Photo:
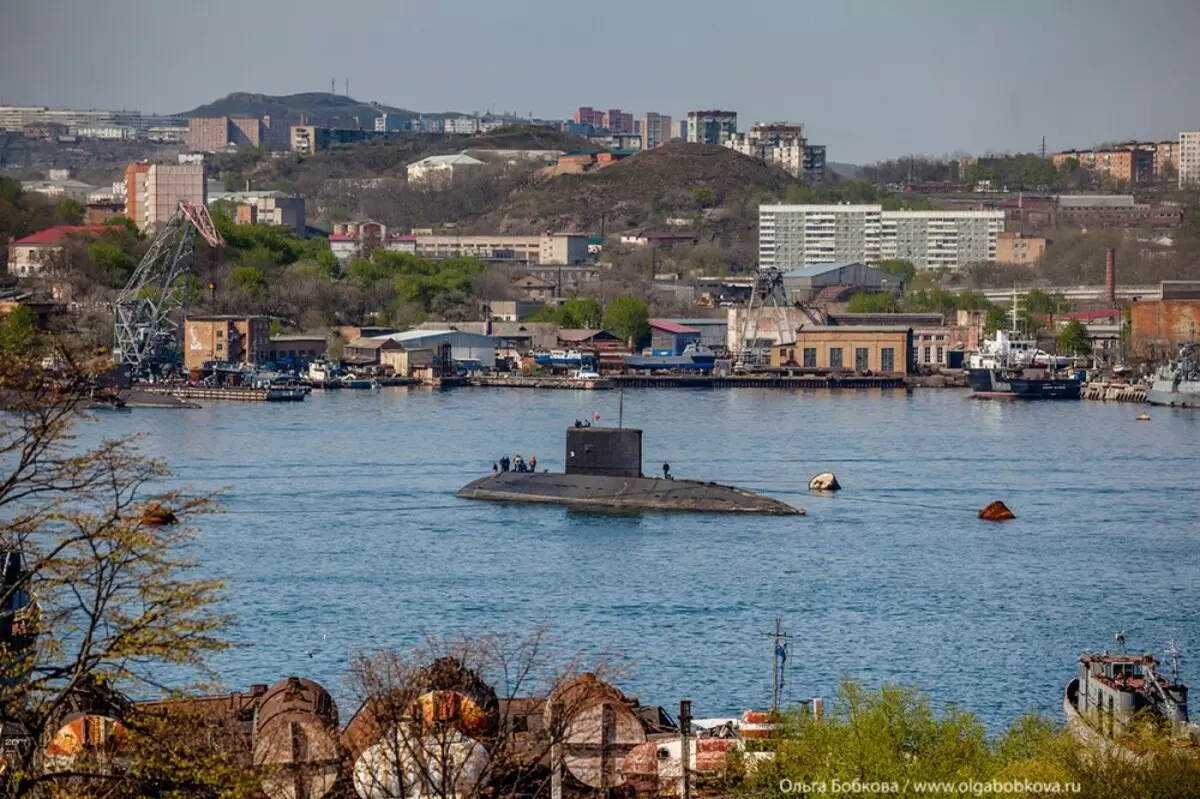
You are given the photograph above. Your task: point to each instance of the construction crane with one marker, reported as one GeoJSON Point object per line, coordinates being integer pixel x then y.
{"type": "Point", "coordinates": [147, 325]}
{"type": "Point", "coordinates": [768, 288]}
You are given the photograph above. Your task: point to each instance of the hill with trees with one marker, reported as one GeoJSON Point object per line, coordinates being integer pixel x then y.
{"type": "Point", "coordinates": [322, 105]}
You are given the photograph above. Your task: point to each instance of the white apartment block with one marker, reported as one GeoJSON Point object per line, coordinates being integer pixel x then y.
{"type": "Point", "coordinates": [1189, 158]}
{"type": "Point", "coordinates": [793, 236]}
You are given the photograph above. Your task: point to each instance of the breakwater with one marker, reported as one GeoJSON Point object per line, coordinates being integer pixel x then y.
{"type": "Point", "coordinates": [1113, 392]}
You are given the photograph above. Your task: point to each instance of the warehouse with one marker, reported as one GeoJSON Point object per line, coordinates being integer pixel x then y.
{"type": "Point", "coordinates": [463, 346]}
{"type": "Point", "coordinates": [803, 284]}
{"type": "Point", "coordinates": [877, 349]}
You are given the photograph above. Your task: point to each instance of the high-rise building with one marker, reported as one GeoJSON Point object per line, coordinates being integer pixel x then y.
{"type": "Point", "coordinates": [617, 121]}
{"type": "Point", "coordinates": [656, 129]}
{"type": "Point", "coordinates": [1129, 162]}
{"type": "Point", "coordinates": [711, 127]}
{"type": "Point", "coordinates": [1189, 158]}
{"type": "Point", "coordinates": [792, 236]}
{"type": "Point", "coordinates": [586, 115]}
{"type": "Point", "coordinates": [153, 191]}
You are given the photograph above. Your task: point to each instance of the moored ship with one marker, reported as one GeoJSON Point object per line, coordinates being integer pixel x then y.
{"type": "Point", "coordinates": [1015, 368]}
{"type": "Point", "coordinates": [1177, 384]}
{"type": "Point", "coordinates": [692, 359]}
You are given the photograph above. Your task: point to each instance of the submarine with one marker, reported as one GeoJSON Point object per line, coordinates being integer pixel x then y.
{"type": "Point", "coordinates": [604, 471]}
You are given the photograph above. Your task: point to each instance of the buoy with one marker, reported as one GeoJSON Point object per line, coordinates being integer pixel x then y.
{"type": "Point", "coordinates": [158, 516]}
{"type": "Point", "coordinates": [825, 481]}
{"type": "Point", "coordinates": [1145, 417]}
{"type": "Point", "coordinates": [996, 512]}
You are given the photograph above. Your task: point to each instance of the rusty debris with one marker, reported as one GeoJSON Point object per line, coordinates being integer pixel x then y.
{"type": "Point", "coordinates": [996, 512]}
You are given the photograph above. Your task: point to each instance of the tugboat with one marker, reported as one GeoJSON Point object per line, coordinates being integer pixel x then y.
{"type": "Point", "coordinates": [1177, 384]}
{"type": "Point", "coordinates": [1112, 689]}
{"type": "Point", "coordinates": [693, 358]}
{"type": "Point", "coordinates": [1011, 368]}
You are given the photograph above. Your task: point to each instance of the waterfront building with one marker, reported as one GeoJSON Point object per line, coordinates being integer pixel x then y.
{"type": "Point", "coordinates": [795, 236]}
{"type": "Point", "coordinates": [463, 346]}
{"type": "Point", "coordinates": [1189, 158]}
{"type": "Point", "coordinates": [297, 349]}
{"type": "Point", "coordinates": [225, 338]}
{"type": "Point", "coordinates": [711, 127]}
{"type": "Point", "coordinates": [881, 350]}
{"type": "Point", "coordinates": [712, 330]}
{"type": "Point", "coordinates": [1159, 327]}
{"type": "Point", "coordinates": [805, 283]}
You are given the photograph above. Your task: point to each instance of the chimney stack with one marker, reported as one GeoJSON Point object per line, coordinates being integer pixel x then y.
{"type": "Point", "coordinates": [1110, 278]}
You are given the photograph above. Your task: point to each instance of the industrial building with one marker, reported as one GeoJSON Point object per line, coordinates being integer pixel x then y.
{"type": "Point", "coordinates": [711, 127]}
{"type": "Point", "coordinates": [880, 350]}
{"type": "Point", "coordinates": [153, 191]}
{"type": "Point", "coordinates": [1158, 328]}
{"type": "Point", "coordinates": [672, 337]}
{"type": "Point", "coordinates": [229, 339]}
{"type": "Point", "coordinates": [547, 248]}
{"type": "Point", "coordinates": [792, 236]}
{"type": "Point", "coordinates": [297, 349]}
{"type": "Point", "coordinates": [803, 284]}
{"type": "Point", "coordinates": [463, 346]}
{"type": "Point", "coordinates": [439, 171]}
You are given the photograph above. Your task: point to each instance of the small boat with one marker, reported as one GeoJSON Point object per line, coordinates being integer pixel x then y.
{"type": "Point", "coordinates": [693, 358]}
{"type": "Point", "coordinates": [322, 374]}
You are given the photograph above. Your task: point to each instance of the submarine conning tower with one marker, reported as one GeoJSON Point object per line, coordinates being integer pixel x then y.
{"type": "Point", "coordinates": [607, 451]}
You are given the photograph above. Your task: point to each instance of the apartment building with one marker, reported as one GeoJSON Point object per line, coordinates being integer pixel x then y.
{"type": "Point", "coordinates": [1189, 158]}
{"type": "Point", "coordinates": [153, 191]}
{"type": "Point", "coordinates": [793, 236]}
{"type": "Point", "coordinates": [209, 134]}
{"type": "Point", "coordinates": [270, 208]}
{"type": "Point", "coordinates": [711, 127]}
{"type": "Point", "coordinates": [1131, 162]}
{"type": "Point", "coordinates": [656, 130]}
{"type": "Point", "coordinates": [548, 248]}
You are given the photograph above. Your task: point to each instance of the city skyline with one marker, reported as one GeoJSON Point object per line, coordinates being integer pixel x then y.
{"type": "Point", "coordinates": [880, 81]}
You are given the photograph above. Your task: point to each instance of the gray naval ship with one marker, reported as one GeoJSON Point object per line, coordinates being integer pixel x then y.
{"type": "Point", "coordinates": [1177, 384]}
{"type": "Point", "coordinates": [604, 471]}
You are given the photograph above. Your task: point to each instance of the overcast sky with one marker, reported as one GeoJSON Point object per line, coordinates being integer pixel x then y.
{"type": "Point", "coordinates": [869, 78]}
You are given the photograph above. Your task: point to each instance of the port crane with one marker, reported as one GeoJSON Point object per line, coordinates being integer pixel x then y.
{"type": "Point", "coordinates": [146, 320]}
{"type": "Point", "coordinates": [768, 288]}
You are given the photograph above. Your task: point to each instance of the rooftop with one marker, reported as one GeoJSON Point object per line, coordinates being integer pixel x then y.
{"type": "Point", "coordinates": [458, 159]}
{"type": "Point", "coordinates": [815, 270]}
{"type": "Point", "coordinates": [55, 235]}
{"type": "Point", "coordinates": [668, 326]}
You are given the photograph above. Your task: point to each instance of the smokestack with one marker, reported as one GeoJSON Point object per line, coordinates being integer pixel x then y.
{"type": "Point", "coordinates": [1110, 278]}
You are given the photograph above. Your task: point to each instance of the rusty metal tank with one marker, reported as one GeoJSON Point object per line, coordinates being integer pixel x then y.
{"type": "Point", "coordinates": [599, 728]}
{"type": "Point", "coordinates": [99, 738]}
{"type": "Point", "coordinates": [450, 764]}
{"type": "Point", "coordinates": [656, 767]}
{"type": "Point", "coordinates": [295, 740]}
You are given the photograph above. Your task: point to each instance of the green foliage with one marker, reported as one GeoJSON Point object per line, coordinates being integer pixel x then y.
{"type": "Point", "coordinates": [862, 302]}
{"type": "Point", "coordinates": [1022, 171]}
{"type": "Point", "coordinates": [18, 331]}
{"type": "Point", "coordinates": [274, 327]}
{"type": "Point", "coordinates": [327, 259]}
{"type": "Point", "coordinates": [267, 242]}
{"type": "Point", "coordinates": [71, 211]}
{"type": "Point", "coordinates": [899, 266]}
{"type": "Point", "coordinates": [629, 318]}
{"type": "Point", "coordinates": [704, 197]}
{"type": "Point", "coordinates": [249, 279]}
{"type": "Point", "coordinates": [577, 313]}
{"type": "Point", "coordinates": [424, 282]}
{"type": "Point", "coordinates": [997, 319]}
{"type": "Point", "coordinates": [114, 263]}
{"type": "Point", "coordinates": [1073, 339]}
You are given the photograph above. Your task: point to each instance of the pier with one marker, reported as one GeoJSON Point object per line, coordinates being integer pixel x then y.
{"type": "Point", "coordinates": [521, 381]}
{"type": "Point", "coordinates": [756, 381]}
{"type": "Point", "coordinates": [239, 393]}
{"type": "Point", "coordinates": [1114, 392]}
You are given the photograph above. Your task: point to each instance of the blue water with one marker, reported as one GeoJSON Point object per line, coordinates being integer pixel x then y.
{"type": "Point", "coordinates": [341, 532]}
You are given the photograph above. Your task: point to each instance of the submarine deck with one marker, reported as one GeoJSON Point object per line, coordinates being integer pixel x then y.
{"type": "Point", "coordinates": [621, 492]}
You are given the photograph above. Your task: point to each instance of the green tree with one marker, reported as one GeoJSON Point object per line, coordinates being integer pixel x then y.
{"type": "Point", "coordinates": [899, 266]}
{"type": "Point", "coordinates": [863, 302]}
{"type": "Point", "coordinates": [629, 318]}
{"type": "Point", "coordinates": [249, 279]}
{"type": "Point", "coordinates": [704, 197]}
{"type": "Point", "coordinates": [19, 331]}
{"type": "Point", "coordinates": [997, 319]}
{"type": "Point", "coordinates": [1073, 339]}
{"type": "Point", "coordinates": [112, 261]}
{"type": "Point", "coordinates": [71, 211]}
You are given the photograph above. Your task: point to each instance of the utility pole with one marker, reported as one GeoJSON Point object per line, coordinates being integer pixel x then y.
{"type": "Point", "coordinates": [779, 650]}
{"type": "Point", "coordinates": [685, 749]}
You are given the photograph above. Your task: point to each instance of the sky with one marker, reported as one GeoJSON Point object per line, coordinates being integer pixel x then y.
{"type": "Point", "coordinates": [870, 79]}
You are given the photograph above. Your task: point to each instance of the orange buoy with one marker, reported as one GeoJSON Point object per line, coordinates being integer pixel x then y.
{"type": "Point", "coordinates": [996, 512]}
{"type": "Point", "coordinates": [158, 516]}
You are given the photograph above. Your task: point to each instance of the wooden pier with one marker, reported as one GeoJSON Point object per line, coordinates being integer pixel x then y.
{"type": "Point", "coordinates": [1113, 392]}
{"type": "Point", "coordinates": [239, 393]}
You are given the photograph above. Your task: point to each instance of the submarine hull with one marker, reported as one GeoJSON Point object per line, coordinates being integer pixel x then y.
{"type": "Point", "coordinates": [604, 491]}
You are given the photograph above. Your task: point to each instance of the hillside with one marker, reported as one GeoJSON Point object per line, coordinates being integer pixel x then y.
{"type": "Point", "coordinates": [317, 105]}
{"type": "Point", "coordinates": [677, 179]}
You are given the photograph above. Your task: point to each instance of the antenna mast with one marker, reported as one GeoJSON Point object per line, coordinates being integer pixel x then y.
{"type": "Point", "coordinates": [779, 652]}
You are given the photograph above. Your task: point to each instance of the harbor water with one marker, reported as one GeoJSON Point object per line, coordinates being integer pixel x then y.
{"type": "Point", "coordinates": [341, 532]}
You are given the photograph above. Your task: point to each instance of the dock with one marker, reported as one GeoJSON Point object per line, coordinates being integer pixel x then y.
{"type": "Point", "coordinates": [756, 381]}
{"type": "Point", "coordinates": [1113, 392]}
{"type": "Point", "coordinates": [239, 393]}
{"type": "Point", "coordinates": [523, 381]}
